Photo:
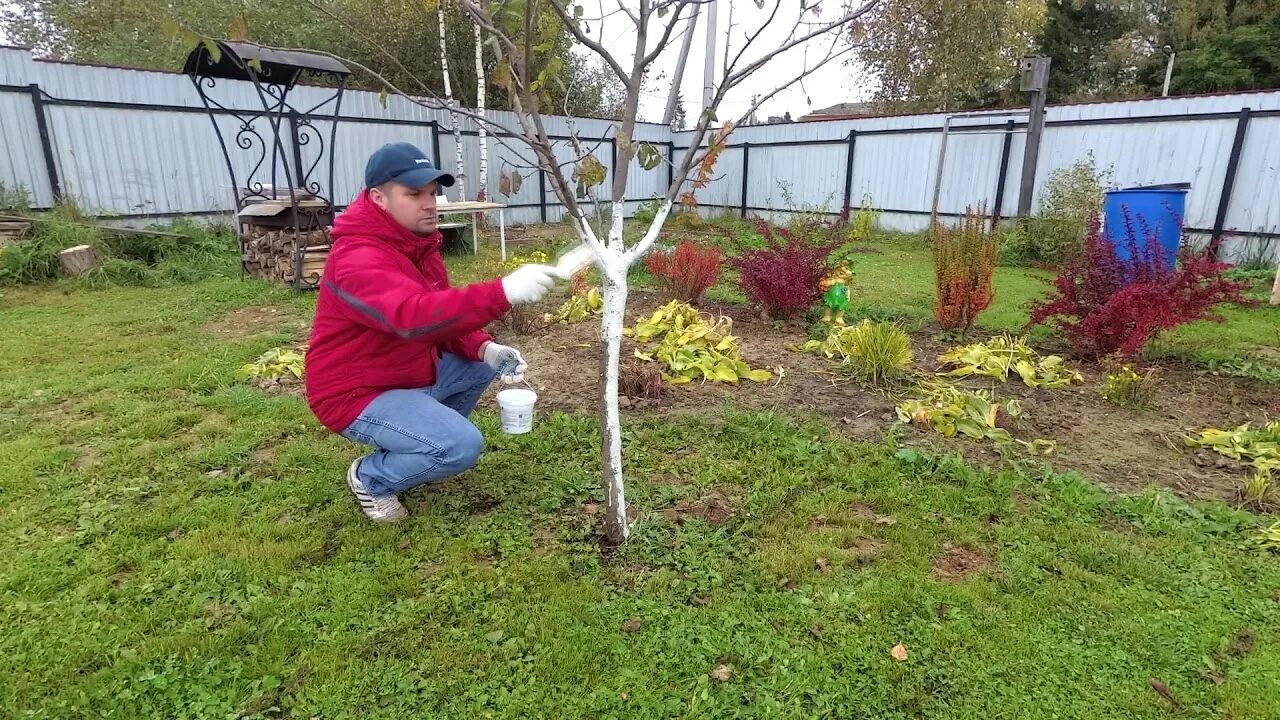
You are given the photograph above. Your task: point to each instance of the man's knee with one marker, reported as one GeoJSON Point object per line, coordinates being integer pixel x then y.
{"type": "Point", "coordinates": [460, 449]}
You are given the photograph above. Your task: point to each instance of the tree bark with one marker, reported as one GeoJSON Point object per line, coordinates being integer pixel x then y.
{"type": "Point", "coordinates": [1275, 287]}
{"type": "Point", "coordinates": [616, 527]}
{"type": "Point", "coordinates": [482, 193]}
{"type": "Point", "coordinates": [459, 174]}
{"type": "Point", "coordinates": [81, 259]}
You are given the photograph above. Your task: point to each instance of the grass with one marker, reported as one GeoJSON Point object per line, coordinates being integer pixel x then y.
{"type": "Point", "coordinates": [179, 545]}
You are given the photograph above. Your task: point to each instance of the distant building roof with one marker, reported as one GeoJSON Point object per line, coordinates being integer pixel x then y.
{"type": "Point", "coordinates": [841, 111]}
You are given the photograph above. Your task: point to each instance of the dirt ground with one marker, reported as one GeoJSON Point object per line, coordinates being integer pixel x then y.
{"type": "Point", "coordinates": [1122, 449]}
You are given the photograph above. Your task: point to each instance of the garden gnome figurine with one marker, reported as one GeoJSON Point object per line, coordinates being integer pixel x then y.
{"type": "Point", "coordinates": [836, 297]}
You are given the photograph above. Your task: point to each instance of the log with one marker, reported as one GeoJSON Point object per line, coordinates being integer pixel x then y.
{"type": "Point", "coordinates": [79, 260]}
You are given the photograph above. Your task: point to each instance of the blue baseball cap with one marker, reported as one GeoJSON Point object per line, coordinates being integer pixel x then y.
{"type": "Point", "coordinates": [405, 164]}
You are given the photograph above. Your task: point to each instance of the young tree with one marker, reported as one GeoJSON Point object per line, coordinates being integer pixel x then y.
{"type": "Point", "coordinates": [482, 192]}
{"type": "Point", "coordinates": [460, 174]}
{"type": "Point", "coordinates": [817, 35]}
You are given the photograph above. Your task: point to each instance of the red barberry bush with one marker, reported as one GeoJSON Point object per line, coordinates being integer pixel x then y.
{"type": "Point", "coordinates": [687, 271]}
{"type": "Point", "coordinates": [782, 279]}
{"type": "Point", "coordinates": [1104, 305]}
{"type": "Point", "coordinates": [963, 259]}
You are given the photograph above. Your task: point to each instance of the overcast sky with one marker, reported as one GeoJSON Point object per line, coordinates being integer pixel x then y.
{"type": "Point", "coordinates": [834, 83]}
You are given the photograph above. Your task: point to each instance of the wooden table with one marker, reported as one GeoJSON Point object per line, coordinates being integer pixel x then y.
{"type": "Point", "coordinates": [474, 208]}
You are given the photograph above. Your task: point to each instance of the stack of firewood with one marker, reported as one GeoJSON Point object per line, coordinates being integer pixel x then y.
{"type": "Point", "coordinates": [13, 229]}
{"type": "Point", "coordinates": [269, 254]}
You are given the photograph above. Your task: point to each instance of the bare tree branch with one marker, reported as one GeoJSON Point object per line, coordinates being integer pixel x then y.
{"type": "Point", "coordinates": [571, 25]}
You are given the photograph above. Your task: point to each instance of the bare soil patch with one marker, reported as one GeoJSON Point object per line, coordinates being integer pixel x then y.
{"type": "Point", "coordinates": [257, 320]}
{"type": "Point", "coordinates": [958, 563]}
{"type": "Point", "coordinates": [1122, 449]}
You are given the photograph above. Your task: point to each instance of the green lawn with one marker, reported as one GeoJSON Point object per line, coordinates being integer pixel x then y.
{"type": "Point", "coordinates": [178, 545]}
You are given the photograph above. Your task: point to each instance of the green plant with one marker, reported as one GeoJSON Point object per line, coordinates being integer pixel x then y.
{"type": "Point", "coordinates": [693, 346]}
{"type": "Point", "coordinates": [1071, 196]}
{"type": "Point", "coordinates": [1268, 538]}
{"type": "Point", "coordinates": [648, 211]}
{"type": "Point", "coordinates": [577, 308]}
{"type": "Point", "coordinates": [14, 199]}
{"type": "Point", "coordinates": [275, 364]}
{"type": "Point", "coordinates": [864, 221]}
{"type": "Point", "coordinates": [1258, 488]}
{"type": "Point", "coordinates": [1126, 388]}
{"type": "Point", "coordinates": [870, 352]}
{"type": "Point", "coordinates": [1003, 356]}
{"type": "Point", "coordinates": [963, 260]}
{"type": "Point", "coordinates": [1249, 369]}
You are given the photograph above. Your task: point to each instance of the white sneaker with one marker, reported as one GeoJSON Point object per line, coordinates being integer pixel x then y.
{"type": "Point", "coordinates": [379, 508]}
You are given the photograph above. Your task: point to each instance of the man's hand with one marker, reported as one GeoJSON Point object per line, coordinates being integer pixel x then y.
{"type": "Point", "coordinates": [528, 283]}
{"type": "Point", "coordinates": [506, 361]}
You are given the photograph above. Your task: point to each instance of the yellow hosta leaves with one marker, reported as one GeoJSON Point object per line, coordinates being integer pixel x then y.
{"type": "Point", "coordinates": [951, 411]}
{"type": "Point", "coordinates": [1259, 448]}
{"type": "Point", "coordinates": [1003, 356]}
{"type": "Point", "coordinates": [274, 364]}
{"type": "Point", "coordinates": [578, 308]}
{"type": "Point", "coordinates": [694, 346]}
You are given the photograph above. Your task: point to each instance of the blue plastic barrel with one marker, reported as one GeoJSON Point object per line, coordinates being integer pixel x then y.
{"type": "Point", "coordinates": [1157, 209]}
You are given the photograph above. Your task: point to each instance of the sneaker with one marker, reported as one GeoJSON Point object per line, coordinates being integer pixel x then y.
{"type": "Point", "coordinates": [379, 508]}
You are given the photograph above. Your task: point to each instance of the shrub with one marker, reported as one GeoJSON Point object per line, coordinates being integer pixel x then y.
{"type": "Point", "coordinates": [687, 271]}
{"type": "Point", "coordinates": [963, 260]}
{"type": "Point", "coordinates": [1104, 305]}
{"type": "Point", "coordinates": [640, 380]}
{"type": "Point", "coordinates": [1056, 234]}
{"type": "Point", "coordinates": [782, 279]}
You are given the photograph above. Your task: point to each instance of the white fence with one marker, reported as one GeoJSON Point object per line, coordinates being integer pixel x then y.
{"type": "Point", "coordinates": [137, 144]}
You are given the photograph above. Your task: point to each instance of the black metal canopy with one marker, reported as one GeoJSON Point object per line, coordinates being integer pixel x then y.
{"type": "Point", "coordinates": [243, 60]}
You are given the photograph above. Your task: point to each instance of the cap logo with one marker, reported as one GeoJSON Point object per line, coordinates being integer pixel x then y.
{"type": "Point", "coordinates": [422, 161]}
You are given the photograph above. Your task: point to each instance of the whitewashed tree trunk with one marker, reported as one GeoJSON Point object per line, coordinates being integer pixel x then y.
{"type": "Point", "coordinates": [459, 174]}
{"type": "Point", "coordinates": [482, 192]}
{"type": "Point", "coordinates": [1275, 288]}
{"type": "Point", "coordinates": [616, 526]}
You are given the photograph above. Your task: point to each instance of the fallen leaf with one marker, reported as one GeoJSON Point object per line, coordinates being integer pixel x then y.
{"type": "Point", "coordinates": [216, 473]}
{"type": "Point", "coordinates": [700, 600]}
{"type": "Point", "coordinates": [632, 625]}
{"type": "Point", "coordinates": [822, 565]}
{"type": "Point", "coordinates": [1158, 685]}
{"type": "Point", "coordinates": [590, 508]}
{"type": "Point", "coordinates": [816, 631]}
{"type": "Point", "coordinates": [405, 544]}
{"type": "Point", "coordinates": [899, 652]}
{"type": "Point", "coordinates": [722, 673]}
{"type": "Point", "coordinates": [624, 696]}
{"type": "Point", "coordinates": [176, 533]}
{"type": "Point", "coordinates": [495, 636]}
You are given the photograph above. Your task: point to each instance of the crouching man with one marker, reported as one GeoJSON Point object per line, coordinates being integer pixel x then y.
{"type": "Point", "coordinates": [398, 357]}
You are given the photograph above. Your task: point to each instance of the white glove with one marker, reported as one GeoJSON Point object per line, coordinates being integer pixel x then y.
{"type": "Point", "coordinates": [528, 283]}
{"type": "Point", "coordinates": [506, 361]}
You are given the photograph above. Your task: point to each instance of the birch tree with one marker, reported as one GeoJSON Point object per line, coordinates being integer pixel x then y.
{"type": "Point", "coordinates": [482, 193]}
{"type": "Point", "coordinates": [793, 38]}
{"type": "Point", "coordinates": [459, 174]}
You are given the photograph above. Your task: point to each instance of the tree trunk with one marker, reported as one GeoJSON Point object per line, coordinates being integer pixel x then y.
{"type": "Point", "coordinates": [616, 527]}
{"type": "Point", "coordinates": [81, 259]}
{"type": "Point", "coordinates": [482, 192]}
{"type": "Point", "coordinates": [459, 174]}
{"type": "Point", "coordinates": [1275, 287]}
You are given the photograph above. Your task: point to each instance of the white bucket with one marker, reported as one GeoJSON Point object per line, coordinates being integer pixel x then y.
{"type": "Point", "coordinates": [515, 407]}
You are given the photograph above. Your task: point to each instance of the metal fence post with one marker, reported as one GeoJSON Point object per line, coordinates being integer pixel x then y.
{"type": "Point", "coordinates": [1229, 180]}
{"type": "Point", "coordinates": [435, 142]}
{"type": "Point", "coordinates": [848, 176]}
{"type": "Point", "coordinates": [1004, 172]}
{"type": "Point", "coordinates": [746, 165]}
{"type": "Point", "coordinates": [671, 165]}
{"type": "Point", "coordinates": [542, 194]}
{"type": "Point", "coordinates": [46, 142]}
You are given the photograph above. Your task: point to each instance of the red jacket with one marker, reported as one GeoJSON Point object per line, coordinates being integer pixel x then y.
{"type": "Point", "coordinates": [385, 312]}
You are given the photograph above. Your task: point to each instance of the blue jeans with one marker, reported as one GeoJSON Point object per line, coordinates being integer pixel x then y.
{"type": "Point", "coordinates": [422, 435]}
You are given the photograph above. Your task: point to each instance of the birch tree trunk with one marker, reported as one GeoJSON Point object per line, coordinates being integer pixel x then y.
{"type": "Point", "coordinates": [1275, 287]}
{"type": "Point", "coordinates": [459, 174]}
{"type": "Point", "coordinates": [482, 192]}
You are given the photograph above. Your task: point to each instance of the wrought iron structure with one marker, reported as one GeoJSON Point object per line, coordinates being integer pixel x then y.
{"type": "Point", "coordinates": [272, 138]}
